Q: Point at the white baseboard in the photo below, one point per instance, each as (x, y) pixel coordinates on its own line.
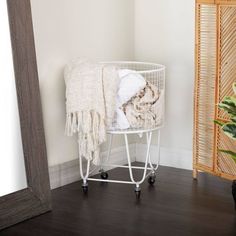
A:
(178, 158)
(68, 172)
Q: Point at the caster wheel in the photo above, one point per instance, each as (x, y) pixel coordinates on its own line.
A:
(138, 193)
(85, 188)
(151, 180)
(104, 175)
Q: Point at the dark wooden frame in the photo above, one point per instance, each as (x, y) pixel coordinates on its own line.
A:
(35, 199)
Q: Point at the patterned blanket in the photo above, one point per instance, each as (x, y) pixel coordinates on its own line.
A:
(144, 110)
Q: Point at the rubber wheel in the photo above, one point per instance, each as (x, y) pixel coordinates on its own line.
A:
(104, 175)
(151, 180)
(138, 194)
(85, 189)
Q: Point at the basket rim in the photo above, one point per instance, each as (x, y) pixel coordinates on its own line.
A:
(162, 67)
(134, 130)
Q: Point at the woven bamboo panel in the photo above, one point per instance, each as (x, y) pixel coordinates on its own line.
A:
(227, 53)
(225, 164)
(215, 73)
(225, 2)
(227, 73)
(205, 87)
(222, 2)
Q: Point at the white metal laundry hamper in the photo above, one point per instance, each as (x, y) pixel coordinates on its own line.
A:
(155, 74)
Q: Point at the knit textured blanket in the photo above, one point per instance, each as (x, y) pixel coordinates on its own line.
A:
(145, 109)
(90, 104)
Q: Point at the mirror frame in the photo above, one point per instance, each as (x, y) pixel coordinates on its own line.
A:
(36, 198)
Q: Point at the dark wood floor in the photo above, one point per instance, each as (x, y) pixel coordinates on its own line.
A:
(177, 205)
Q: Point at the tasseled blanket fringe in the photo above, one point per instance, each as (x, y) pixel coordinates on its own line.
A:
(91, 131)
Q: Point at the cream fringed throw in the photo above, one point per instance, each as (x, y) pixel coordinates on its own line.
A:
(90, 104)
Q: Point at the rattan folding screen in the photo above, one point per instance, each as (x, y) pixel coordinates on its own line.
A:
(215, 73)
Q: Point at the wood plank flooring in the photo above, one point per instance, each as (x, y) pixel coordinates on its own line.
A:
(176, 205)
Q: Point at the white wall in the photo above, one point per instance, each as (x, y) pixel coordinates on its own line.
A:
(65, 29)
(164, 33)
(159, 31)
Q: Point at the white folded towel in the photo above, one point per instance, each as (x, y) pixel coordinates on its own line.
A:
(131, 83)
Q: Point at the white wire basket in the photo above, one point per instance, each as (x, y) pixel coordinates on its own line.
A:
(153, 117)
(155, 75)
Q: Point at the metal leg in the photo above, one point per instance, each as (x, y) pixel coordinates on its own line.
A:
(158, 148)
(137, 188)
(109, 147)
(84, 176)
(108, 152)
(104, 174)
(154, 168)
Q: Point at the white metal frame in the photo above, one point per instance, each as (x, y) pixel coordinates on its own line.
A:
(155, 73)
(158, 67)
(152, 168)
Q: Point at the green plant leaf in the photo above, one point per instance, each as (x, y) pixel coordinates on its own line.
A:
(229, 105)
(220, 123)
(231, 153)
(234, 87)
(230, 130)
(233, 119)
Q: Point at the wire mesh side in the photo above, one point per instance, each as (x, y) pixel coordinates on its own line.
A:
(155, 75)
